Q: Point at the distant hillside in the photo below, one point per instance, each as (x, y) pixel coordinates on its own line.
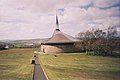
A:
(25, 41)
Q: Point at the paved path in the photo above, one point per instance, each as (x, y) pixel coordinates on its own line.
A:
(38, 71)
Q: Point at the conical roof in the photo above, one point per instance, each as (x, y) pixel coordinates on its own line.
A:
(60, 37)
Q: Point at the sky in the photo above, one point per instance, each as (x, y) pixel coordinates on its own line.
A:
(30, 19)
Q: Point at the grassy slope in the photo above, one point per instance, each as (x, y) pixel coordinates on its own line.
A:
(15, 64)
(80, 67)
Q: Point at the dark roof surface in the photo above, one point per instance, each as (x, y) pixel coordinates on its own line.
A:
(59, 37)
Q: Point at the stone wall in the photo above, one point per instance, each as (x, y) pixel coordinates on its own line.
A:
(59, 48)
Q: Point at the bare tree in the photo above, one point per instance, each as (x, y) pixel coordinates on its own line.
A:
(99, 41)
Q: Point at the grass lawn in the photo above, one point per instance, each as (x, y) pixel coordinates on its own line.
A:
(80, 67)
(15, 64)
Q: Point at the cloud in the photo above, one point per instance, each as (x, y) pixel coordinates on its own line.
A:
(23, 19)
(106, 3)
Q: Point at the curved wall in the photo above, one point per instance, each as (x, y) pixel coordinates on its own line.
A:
(59, 48)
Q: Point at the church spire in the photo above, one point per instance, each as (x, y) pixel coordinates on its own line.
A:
(57, 23)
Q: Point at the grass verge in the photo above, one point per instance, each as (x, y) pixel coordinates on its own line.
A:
(15, 64)
(80, 67)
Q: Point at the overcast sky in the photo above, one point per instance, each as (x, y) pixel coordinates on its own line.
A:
(28, 19)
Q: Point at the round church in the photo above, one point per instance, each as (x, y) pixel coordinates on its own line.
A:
(59, 42)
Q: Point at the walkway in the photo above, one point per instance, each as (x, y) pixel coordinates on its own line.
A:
(38, 71)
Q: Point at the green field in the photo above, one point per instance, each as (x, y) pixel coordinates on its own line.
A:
(80, 67)
(15, 64)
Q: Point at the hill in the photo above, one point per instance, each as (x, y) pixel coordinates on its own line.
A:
(25, 41)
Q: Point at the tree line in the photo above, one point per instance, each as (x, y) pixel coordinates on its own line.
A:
(4, 45)
(100, 42)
